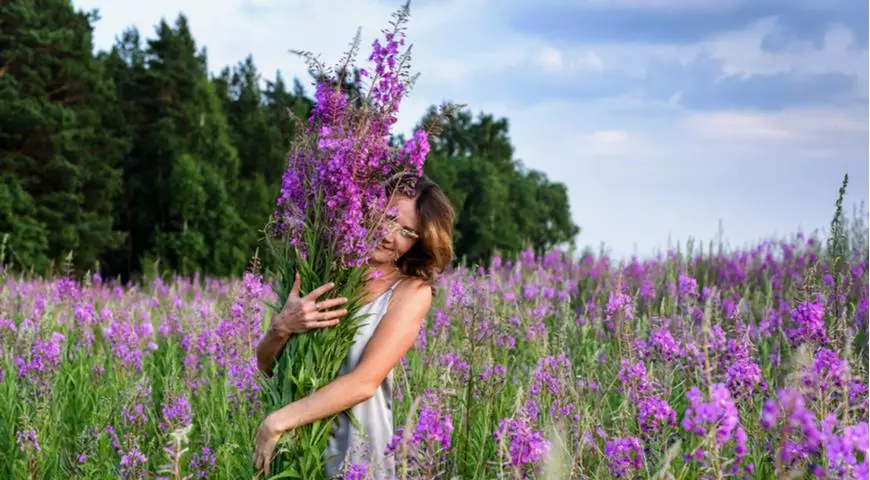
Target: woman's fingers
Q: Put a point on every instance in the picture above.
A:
(317, 292)
(320, 319)
(327, 304)
(296, 284)
(262, 464)
(322, 324)
(329, 315)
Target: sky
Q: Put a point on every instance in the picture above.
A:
(664, 118)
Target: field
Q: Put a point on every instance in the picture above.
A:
(750, 364)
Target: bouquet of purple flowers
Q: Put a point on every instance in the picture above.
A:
(329, 220)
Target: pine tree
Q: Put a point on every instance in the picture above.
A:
(125, 63)
(182, 174)
(257, 141)
(283, 106)
(62, 136)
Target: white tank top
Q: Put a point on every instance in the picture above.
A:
(347, 445)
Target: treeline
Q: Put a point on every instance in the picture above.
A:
(138, 156)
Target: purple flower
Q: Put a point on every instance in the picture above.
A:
(242, 382)
(549, 374)
(492, 376)
(176, 412)
(827, 372)
(133, 464)
(423, 449)
(27, 440)
(634, 381)
(44, 358)
(808, 324)
(433, 426)
(123, 337)
(547, 388)
(719, 414)
(202, 463)
(506, 341)
(624, 456)
(356, 471)
(842, 451)
(135, 415)
(654, 414)
(798, 425)
(7, 329)
(441, 326)
(525, 446)
(347, 162)
(619, 308)
(687, 286)
(744, 378)
(662, 342)
(454, 364)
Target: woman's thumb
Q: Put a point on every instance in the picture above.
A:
(296, 284)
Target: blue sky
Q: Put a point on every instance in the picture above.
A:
(662, 117)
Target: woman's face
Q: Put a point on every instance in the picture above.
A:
(403, 227)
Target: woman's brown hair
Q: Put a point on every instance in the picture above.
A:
(433, 251)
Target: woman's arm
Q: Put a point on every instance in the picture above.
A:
(393, 337)
(269, 348)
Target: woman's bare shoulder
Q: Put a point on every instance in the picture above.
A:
(414, 288)
(412, 298)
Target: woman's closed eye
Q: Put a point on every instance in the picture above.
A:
(403, 231)
(408, 233)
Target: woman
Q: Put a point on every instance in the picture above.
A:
(418, 247)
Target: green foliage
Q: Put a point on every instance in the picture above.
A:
(838, 241)
(61, 136)
(182, 172)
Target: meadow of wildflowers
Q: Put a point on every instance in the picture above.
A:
(751, 364)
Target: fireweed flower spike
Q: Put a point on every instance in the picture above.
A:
(330, 216)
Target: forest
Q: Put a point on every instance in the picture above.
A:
(146, 156)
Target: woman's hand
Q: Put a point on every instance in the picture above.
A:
(264, 445)
(298, 315)
(301, 314)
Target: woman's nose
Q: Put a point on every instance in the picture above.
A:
(390, 237)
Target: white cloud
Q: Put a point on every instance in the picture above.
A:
(734, 125)
(588, 60)
(604, 143)
(742, 53)
(609, 137)
(567, 61)
(682, 5)
(551, 59)
(805, 124)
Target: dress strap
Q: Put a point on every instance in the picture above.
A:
(398, 280)
(392, 288)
